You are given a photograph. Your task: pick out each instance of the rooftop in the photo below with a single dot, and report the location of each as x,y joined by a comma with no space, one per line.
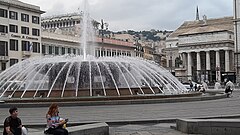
22,5
204,26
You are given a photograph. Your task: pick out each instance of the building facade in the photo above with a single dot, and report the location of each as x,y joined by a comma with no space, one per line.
203,50
20,32
61,35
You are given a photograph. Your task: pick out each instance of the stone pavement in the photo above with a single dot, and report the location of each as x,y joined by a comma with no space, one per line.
144,129
139,112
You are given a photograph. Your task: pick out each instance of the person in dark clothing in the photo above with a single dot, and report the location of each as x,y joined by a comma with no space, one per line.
12,124
195,87
191,85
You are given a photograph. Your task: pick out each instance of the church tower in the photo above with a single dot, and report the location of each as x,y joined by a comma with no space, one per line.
197,14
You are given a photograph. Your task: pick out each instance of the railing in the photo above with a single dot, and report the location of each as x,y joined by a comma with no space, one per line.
77,39
115,42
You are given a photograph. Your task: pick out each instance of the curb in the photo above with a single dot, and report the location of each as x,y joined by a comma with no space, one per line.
146,121
117,102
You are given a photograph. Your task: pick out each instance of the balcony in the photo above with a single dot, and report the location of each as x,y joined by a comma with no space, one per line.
4,58
26,53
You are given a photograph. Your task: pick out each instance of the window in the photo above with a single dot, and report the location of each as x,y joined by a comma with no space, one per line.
69,50
13,28
57,50
36,47
35,32
25,30
74,51
13,61
50,50
35,19
3,29
13,45
4,66
24,17
3,13
3,48
43,49
25,46
13,15
63,50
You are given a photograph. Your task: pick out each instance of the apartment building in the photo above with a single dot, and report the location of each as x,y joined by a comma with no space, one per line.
20,32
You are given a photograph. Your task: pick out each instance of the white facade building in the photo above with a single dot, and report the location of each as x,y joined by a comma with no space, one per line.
205,48
20,32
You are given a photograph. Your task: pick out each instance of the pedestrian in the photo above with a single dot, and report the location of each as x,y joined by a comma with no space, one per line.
12,124
55,124
205,86
217,85
191,85
229,88
195,87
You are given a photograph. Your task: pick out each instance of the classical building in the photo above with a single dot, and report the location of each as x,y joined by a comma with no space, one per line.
61,35
202,50
20,32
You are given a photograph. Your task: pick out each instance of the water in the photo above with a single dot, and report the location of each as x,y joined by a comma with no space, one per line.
74,76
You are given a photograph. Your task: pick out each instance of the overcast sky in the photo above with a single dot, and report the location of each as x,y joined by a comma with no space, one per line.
140,14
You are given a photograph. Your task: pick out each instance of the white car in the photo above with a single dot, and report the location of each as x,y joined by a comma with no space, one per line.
187,85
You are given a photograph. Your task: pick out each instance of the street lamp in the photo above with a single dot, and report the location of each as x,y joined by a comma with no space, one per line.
236,39
104,26
171,58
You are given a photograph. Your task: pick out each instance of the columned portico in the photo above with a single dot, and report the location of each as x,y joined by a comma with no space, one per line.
206,65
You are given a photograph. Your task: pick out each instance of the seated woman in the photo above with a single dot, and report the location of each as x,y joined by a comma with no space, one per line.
54,122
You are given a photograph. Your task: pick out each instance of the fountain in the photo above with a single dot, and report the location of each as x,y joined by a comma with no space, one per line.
87,76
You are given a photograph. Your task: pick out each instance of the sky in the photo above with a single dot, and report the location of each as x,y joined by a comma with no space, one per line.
140,15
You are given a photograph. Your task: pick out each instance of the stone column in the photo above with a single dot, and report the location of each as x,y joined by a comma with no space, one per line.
198,61
208,61
227,61
218,74
183,59
189,68
208,66
217,58
198,67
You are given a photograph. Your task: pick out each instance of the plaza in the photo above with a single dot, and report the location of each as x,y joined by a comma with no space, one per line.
117,80
137,118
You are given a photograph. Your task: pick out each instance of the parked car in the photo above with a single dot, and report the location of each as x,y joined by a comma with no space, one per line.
187,85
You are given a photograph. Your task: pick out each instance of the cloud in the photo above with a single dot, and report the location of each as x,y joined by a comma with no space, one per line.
141,14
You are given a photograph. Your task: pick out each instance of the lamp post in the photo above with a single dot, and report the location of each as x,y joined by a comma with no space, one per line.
170,63
236,58
104,26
